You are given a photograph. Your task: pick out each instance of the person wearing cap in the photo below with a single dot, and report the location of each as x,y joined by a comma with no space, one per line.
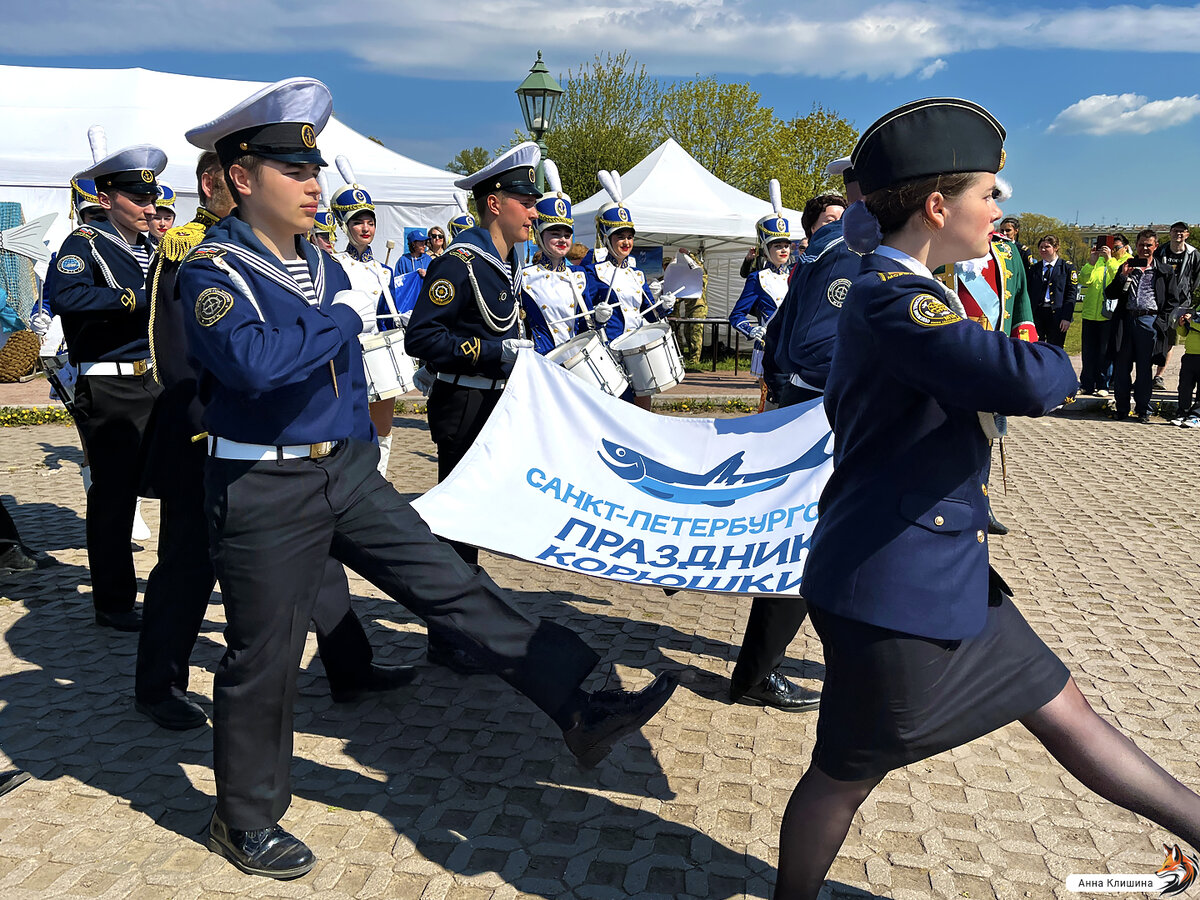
553,289
416,259
924,646
180,584
355,212
617,289
164,212
100,293
466,322
290,480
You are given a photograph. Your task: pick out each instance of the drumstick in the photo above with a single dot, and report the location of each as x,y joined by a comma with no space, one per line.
586,312
391,245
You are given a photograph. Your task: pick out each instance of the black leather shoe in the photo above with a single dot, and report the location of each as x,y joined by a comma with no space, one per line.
13,778
610,715
442,653
995,526
130,620
775,690
266,851
382,680
175,713
15,559
1144,419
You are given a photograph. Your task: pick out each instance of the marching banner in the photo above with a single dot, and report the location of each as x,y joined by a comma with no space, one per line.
567,476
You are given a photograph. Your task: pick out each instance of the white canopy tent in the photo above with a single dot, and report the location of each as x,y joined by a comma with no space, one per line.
676,202
45,143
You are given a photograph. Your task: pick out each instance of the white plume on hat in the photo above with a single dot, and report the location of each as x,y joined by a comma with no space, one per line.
776,197
610,184
323,180
98,141
553,182
1005,190
345,169
461,202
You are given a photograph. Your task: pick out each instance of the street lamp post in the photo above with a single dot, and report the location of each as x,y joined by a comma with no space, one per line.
539,94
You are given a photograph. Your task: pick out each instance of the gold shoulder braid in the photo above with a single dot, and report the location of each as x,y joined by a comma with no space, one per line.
175,245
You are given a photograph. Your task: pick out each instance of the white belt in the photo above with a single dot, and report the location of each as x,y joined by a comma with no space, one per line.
136,367
801,383
223,448
473,381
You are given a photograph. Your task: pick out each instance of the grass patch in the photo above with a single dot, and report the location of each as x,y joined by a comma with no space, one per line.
732,405
12,416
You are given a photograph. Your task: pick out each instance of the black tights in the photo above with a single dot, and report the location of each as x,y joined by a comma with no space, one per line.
819,813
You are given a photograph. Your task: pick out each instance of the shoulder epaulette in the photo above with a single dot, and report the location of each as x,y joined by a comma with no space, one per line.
177,242
85,231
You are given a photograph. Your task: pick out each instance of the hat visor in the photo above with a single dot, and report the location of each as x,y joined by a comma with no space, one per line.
303,156
524,189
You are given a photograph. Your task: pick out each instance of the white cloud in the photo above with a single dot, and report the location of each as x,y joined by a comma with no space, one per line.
495,39
932,69
1125,114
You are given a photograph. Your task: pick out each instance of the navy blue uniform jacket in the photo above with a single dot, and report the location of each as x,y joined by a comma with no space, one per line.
803,332
100,292
1064,287
901,541
263,350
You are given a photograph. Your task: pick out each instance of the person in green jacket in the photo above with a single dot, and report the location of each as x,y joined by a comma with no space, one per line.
1099,271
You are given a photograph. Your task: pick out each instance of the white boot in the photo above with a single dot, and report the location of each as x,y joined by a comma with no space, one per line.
141,531
86,473
385,453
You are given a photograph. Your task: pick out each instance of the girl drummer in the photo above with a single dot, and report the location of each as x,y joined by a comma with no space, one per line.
553,289
924,646
355,212
765,287
614,283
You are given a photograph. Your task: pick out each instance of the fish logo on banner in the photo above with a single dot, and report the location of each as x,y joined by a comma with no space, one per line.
721,485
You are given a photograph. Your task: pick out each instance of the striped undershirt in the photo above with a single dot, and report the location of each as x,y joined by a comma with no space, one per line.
298,269
142,253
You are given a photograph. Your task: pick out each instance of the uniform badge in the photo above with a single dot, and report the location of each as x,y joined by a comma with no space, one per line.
780,225
532,176
622,214
70,265
308,136
1074,277
560,208
471,348
86,231
129,299
837,292
929,312
441,292
203,252
888,276
212,305
462,253
147,176
360,197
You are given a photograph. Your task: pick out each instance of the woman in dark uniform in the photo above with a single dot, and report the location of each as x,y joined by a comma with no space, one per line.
924,647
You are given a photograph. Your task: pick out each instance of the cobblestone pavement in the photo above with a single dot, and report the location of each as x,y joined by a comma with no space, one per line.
462,790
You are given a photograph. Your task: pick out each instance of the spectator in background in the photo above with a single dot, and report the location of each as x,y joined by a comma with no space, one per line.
1010,227
1146,293
1095,276
1187,412
578,252
1053,289
437,242
416,259
1184,260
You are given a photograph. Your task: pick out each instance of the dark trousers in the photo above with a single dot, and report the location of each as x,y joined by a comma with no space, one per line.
1189,380
456,416
8,530
791,394
112,412
1094,350
1045,320
273,524
773,623
180,586
1135,345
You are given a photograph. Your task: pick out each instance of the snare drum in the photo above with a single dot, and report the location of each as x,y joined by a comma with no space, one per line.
586,357
389,369
651,358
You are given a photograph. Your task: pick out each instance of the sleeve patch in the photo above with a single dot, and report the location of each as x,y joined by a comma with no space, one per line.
888,276
1074,277
85,231
70,265
441,292
129,299
212,305
930,312
837,292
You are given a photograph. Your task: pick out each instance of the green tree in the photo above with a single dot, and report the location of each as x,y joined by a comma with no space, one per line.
607,118
724,127
803,147
470,160
1071,243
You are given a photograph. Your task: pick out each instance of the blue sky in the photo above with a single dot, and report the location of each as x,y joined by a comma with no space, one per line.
1100,99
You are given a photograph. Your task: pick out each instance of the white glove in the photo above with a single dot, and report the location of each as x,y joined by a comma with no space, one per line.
510,347
39,323
667,301
424,380
602,312
758,332
362,303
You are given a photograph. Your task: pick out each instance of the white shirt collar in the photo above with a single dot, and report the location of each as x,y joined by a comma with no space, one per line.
913,265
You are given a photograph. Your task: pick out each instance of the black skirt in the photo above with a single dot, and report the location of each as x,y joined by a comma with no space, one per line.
891,699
